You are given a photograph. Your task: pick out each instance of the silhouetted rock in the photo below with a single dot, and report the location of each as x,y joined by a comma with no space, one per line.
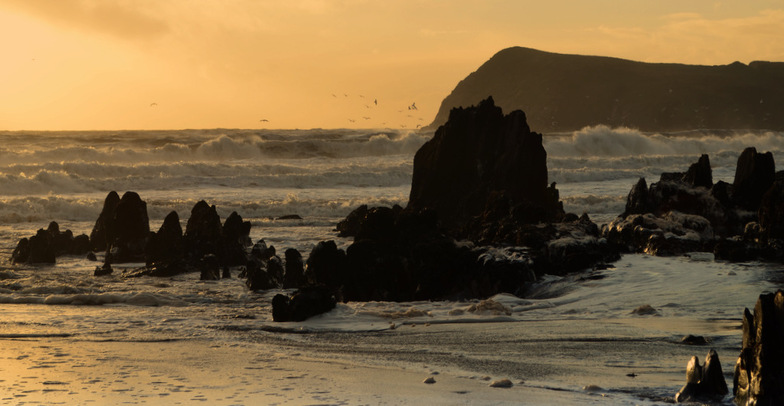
165,253
22,252
303,304
235,238
295,270
700,173
257,276
771,213
673,233
326,265
99,239
759,371
563,93
754,175
637,200
703,383
477,152
41,248
209,268
349,227
80,245
202,232
128,230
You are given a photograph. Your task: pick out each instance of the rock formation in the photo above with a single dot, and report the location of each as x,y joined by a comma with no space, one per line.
759,371
568,92
703,382
478,155
687,212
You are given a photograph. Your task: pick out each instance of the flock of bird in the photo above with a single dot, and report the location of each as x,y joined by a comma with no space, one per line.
411,107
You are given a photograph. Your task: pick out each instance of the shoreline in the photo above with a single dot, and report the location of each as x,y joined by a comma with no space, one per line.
548,362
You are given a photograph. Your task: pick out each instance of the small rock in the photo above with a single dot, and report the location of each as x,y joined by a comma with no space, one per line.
645,310
503,383
592,388
429,380
694,340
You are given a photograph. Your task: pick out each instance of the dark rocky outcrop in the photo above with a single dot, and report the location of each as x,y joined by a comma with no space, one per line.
686,212
759,371
477,154
754,175
295,270
479,187
127,230
99,239
703,382
202,232
165,252
568,92
303,304
46,245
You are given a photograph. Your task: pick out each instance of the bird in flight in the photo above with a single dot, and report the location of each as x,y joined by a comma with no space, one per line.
413,106
264,120
153,104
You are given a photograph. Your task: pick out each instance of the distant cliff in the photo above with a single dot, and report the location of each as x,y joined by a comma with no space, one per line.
568,92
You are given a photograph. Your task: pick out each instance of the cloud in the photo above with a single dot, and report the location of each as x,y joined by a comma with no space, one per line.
128,19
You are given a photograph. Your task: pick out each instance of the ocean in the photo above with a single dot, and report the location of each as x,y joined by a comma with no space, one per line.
570,340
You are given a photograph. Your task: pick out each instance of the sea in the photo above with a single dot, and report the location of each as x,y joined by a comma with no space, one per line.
577,335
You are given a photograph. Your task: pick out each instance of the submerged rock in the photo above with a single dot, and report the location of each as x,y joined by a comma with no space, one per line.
303,304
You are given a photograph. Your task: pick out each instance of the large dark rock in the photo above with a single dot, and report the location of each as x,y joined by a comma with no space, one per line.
165,252
349,227
754,175
202,232
637,201
700,173
99,238
127,231
771,213
326,265
41,250
303,304
477,152
295,270
759,371
235,238
703,382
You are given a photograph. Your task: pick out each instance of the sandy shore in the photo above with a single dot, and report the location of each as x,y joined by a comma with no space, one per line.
62,371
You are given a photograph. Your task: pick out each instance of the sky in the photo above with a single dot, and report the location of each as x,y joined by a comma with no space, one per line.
177,64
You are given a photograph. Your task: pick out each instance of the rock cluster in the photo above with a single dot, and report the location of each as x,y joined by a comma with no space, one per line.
685,212
46,245
479,188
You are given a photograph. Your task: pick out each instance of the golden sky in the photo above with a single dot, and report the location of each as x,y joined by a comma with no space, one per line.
174,64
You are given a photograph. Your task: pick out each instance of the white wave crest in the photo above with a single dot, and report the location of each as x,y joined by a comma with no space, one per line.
603,141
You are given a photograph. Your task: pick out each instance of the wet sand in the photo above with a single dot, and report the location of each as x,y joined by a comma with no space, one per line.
548,362
60,371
